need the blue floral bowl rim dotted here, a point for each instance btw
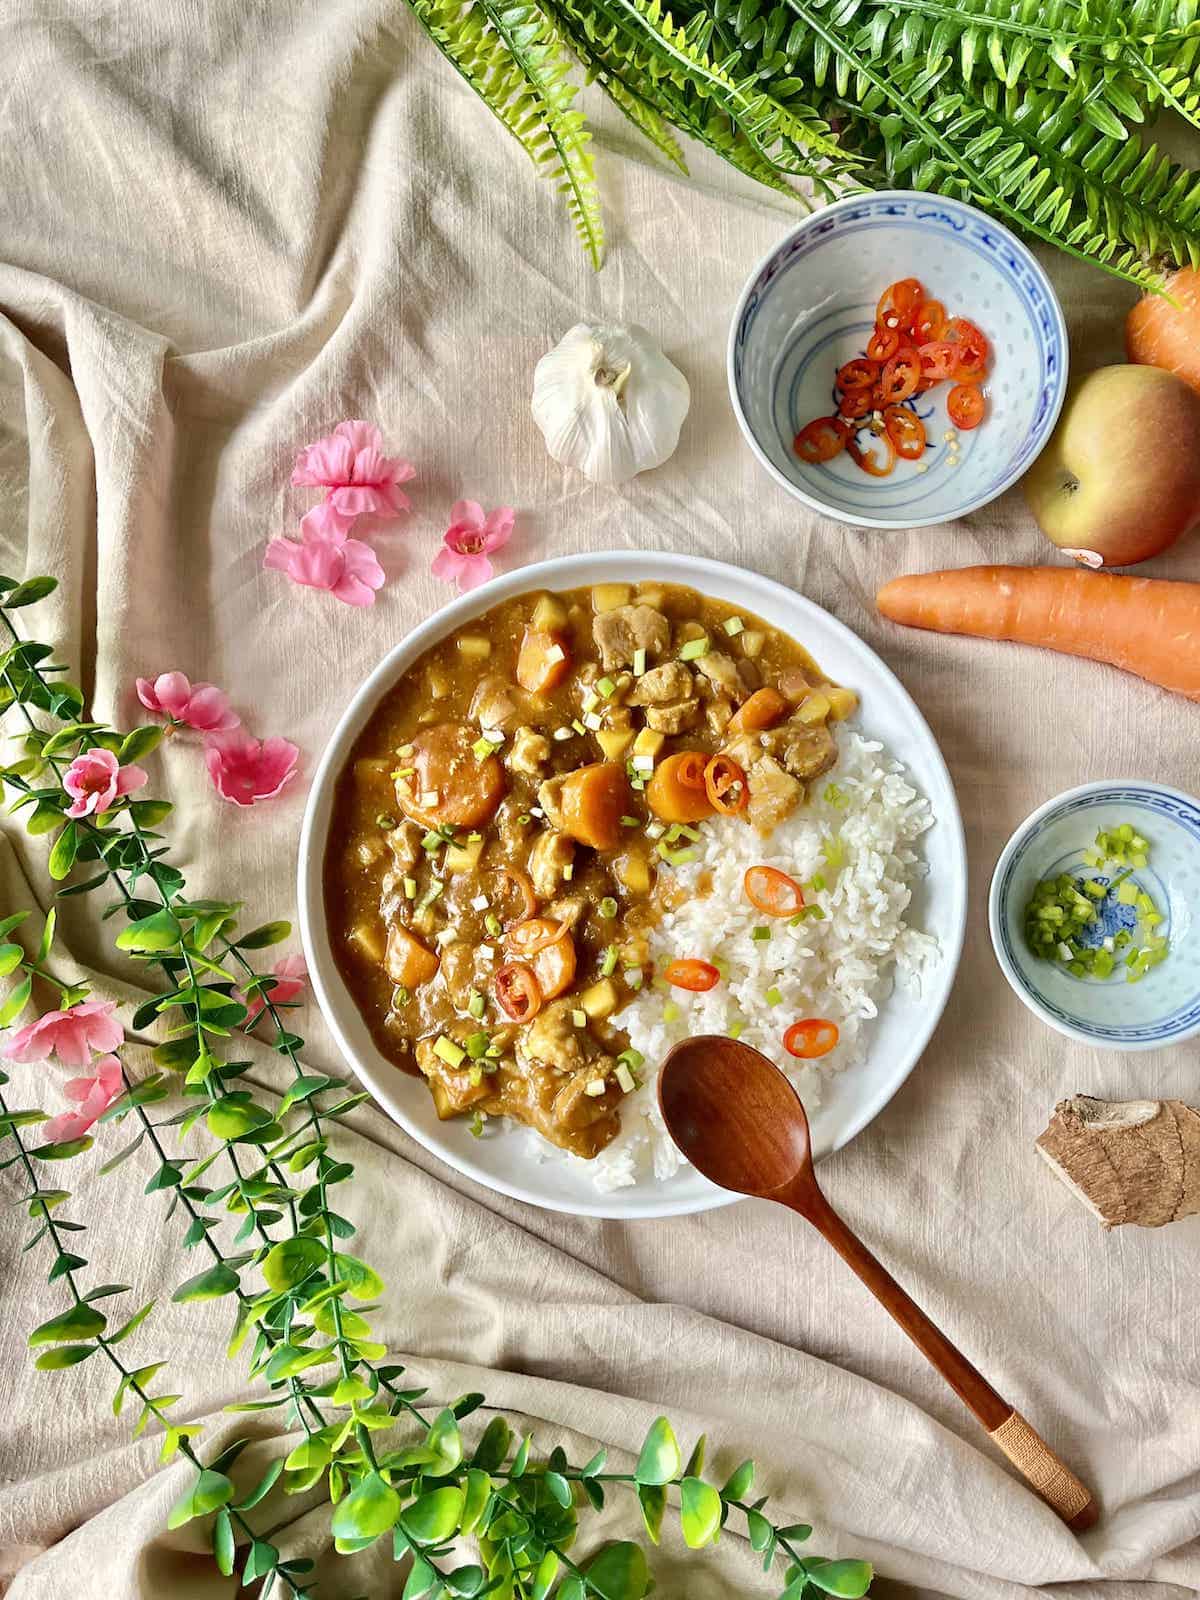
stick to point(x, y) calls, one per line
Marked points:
point(997, 902)
point(994, 490)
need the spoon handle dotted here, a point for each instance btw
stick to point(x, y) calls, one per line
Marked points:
point(1023, 1446)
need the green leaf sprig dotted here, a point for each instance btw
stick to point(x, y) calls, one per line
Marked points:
point(301, 1298)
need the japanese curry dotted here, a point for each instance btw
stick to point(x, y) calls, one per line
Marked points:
point(505, 832)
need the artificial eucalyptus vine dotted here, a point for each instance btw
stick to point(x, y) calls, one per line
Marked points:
point(301, 1300)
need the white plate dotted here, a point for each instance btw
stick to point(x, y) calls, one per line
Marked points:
point(898, 1037)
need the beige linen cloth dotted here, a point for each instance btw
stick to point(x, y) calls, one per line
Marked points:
point(223, 228)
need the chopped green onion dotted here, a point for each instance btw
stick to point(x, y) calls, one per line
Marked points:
point(625, 1078)
point(431, 894)
point(452, 1054)
point(579, 1018)
point(736, 1029)
point(631, 822)
point(834, 850)
point(639, 663)
point(818, 882)
point(404, 750)
point(772, 997)
point(475, 1005)
point(410, 888)
point(734, 626)
point(631, 1058)
point(761, 933)
point(385, 820)
point(694, 649)
point(577, 725)
point(606, 687)
point(607, 907)
point(477, 1044)
point(402, 772)
point(609, 964)
point(670, 1012)
point(400, 997)
point(834, 796)
point(484, 748)
point(492, 923)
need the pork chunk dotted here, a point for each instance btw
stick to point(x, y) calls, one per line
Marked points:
point(774, 794)
point(662, 685)
point(549, 859)
point(722, 672)
point(808, 750)
point(620, 633)
point(677, 718)
point(530, 750)
point(495, 703)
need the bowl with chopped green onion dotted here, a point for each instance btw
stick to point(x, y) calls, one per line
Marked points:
point(1091, 914)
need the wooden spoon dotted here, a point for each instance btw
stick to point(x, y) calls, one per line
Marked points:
point(738, 1120)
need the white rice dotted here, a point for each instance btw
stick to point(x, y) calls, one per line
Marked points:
point(839, 967)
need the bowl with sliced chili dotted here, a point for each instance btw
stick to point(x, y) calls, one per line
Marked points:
point(897, 361)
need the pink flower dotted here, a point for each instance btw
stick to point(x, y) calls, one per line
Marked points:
point(71, 1035)
point(95, 779)
point(246, 770)
point(469, 540)
point(196, 705)
point(327, 559)
point(289, 982)
point(350, 463)
point(93, 1096)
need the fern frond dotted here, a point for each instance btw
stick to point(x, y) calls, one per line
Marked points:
point(512, 58)
point(645, 118)
point(565, 146)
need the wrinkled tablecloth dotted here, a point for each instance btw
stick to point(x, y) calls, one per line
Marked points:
point(223, 228)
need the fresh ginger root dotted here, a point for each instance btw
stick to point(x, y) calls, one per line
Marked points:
point(1132, 1161)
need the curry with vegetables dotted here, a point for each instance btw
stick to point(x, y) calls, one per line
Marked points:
point(505, 832)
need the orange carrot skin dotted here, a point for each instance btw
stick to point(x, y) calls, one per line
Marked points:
point(1147, 626)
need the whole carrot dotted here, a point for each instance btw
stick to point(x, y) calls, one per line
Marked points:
point(1147, 626)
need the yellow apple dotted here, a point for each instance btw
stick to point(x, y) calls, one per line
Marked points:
point(1119, 479)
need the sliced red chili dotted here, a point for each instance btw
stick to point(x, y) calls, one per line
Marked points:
point(523, 884)
point(965, 405)
point(855, 403)
point(898, 302)
point(517, 991)
point(869, 462)
point(972, 344)
point(698, 976)
point(883, 343)
point(821, 439)
point(857, 374)
point(772, 892)
point(901, 376)
point(906, 431)
point(810, 1038)
point(725, 784)
point(928, 321)
point(939, 361)
point(526, 939)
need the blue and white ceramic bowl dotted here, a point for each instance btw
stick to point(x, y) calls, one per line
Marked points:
point(1164, 1007)
point(810, 306)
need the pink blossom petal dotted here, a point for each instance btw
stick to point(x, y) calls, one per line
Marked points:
point(209, 711)
point(245, 770)
point(447, 564)
point(327, 462)
point(474, 571)
point(498, 527)
point(360, 435)
point(130, 778)
point(66, 1126)
point(70, 1035)
point(361, 574)
point(467, 514)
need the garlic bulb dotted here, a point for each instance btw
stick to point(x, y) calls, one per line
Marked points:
point(609, 402)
